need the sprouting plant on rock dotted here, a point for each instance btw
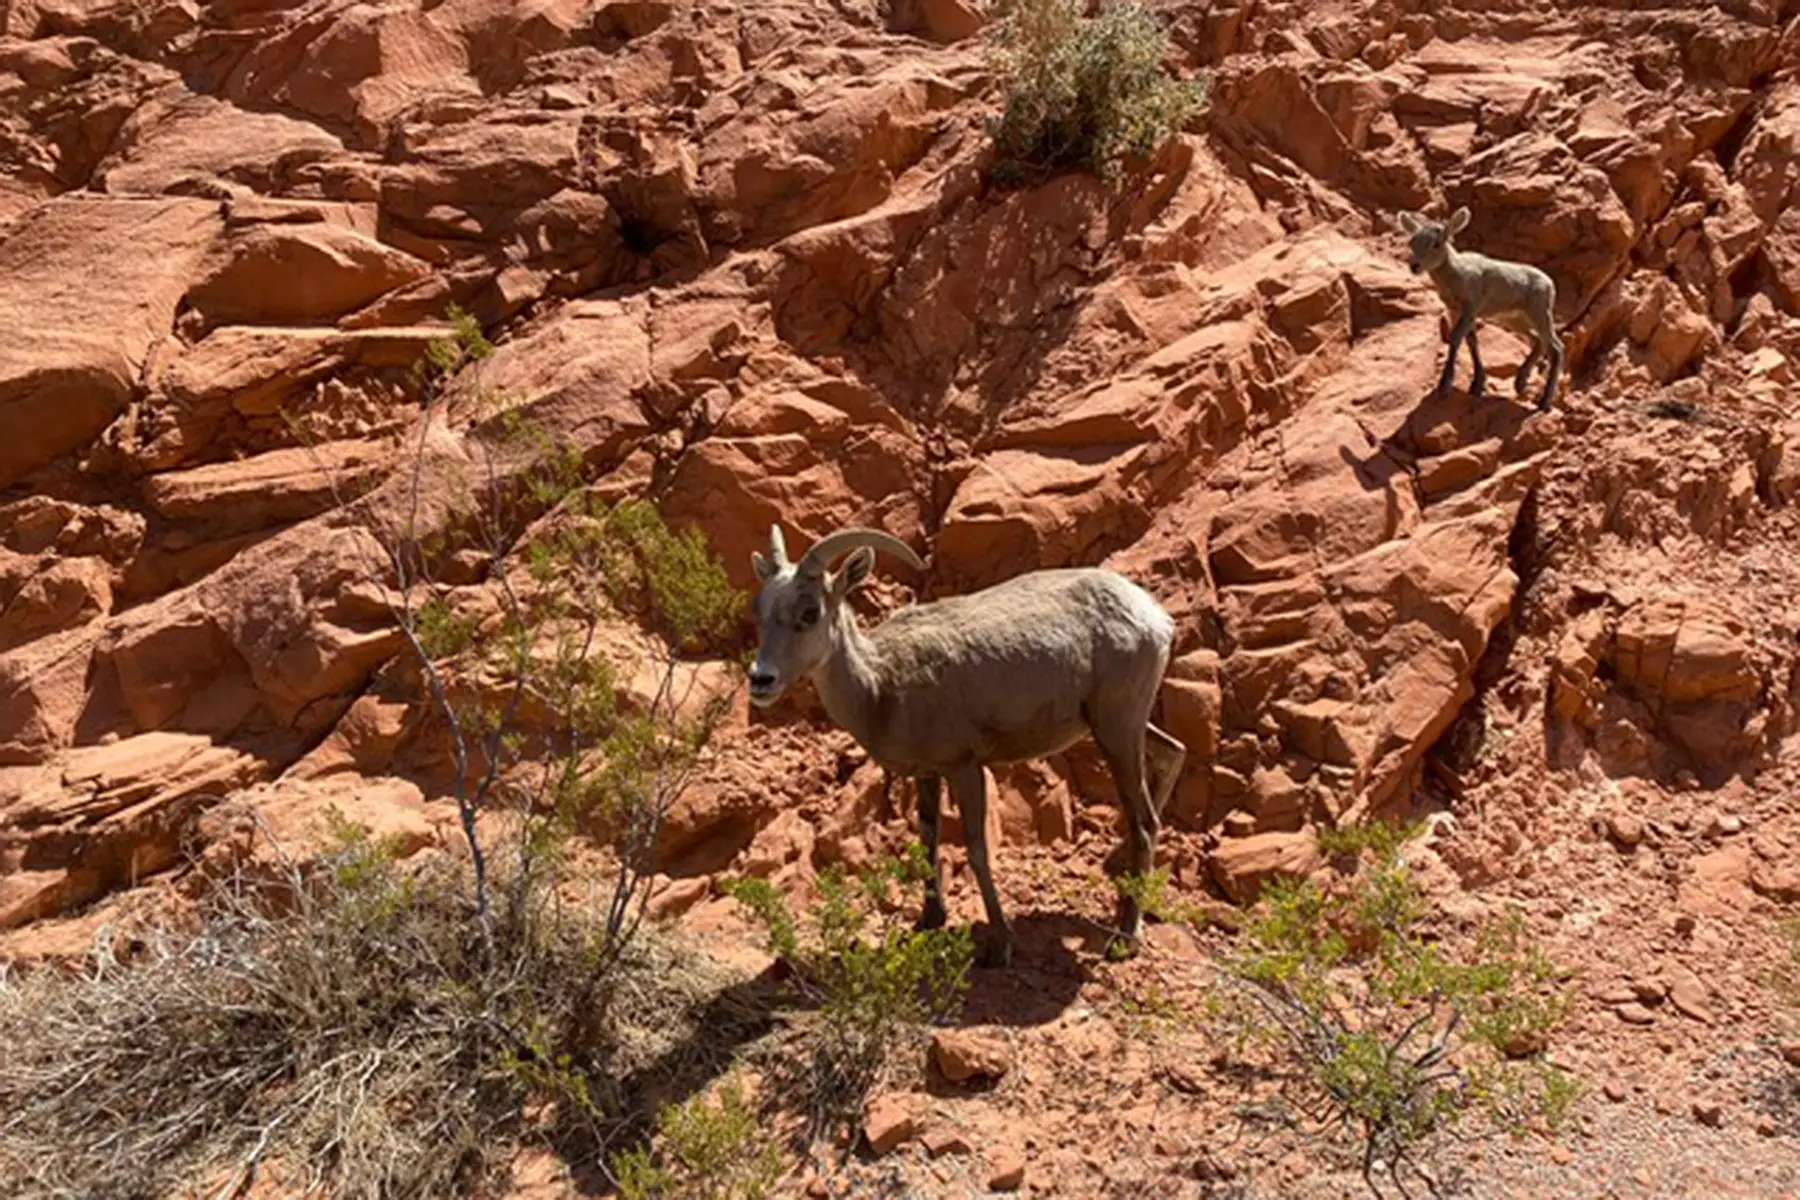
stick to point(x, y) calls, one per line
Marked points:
point(1384, 1034)
point(1084, 91)
point(870, 978)
point(708, 1151)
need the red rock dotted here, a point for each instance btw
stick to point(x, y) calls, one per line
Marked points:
point(1688, 995)
point(1008, 1174)
point(1635, 1014)
point(962, 1055)
point(76, 352)
point(1243, 865)
point(939, 1142)
point(890, 1121)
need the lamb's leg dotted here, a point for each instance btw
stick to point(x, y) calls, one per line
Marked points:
point(1163, 758)
point(930, 793)
point(1556, 363)
point(969, 789)
point(1122, 744)
point(1458, 332)
point(1477, 384)
point(1522, 380)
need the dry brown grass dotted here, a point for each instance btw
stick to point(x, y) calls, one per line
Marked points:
point(363, 1037)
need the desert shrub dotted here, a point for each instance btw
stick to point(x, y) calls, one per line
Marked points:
point(1084, 91)
point(524, 679)
point(385, 1034)
point(870, 979)
point(1385, 1035)
point(708, 1152)
point(364, 1038)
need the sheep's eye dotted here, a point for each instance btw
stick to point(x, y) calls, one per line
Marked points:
point(809, 617)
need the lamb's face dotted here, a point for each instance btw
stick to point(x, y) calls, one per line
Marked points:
point(794, 615)
point(1429, 243)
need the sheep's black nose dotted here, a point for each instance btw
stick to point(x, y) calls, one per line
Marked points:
point(762, 681)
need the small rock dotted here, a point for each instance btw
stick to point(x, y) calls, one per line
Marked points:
point(1008, 1174)
point(962, 1055)
point(888, 1122)
point(1790, 1052)
point(1617, 994)
point(1709, 1112)
point(1635, 1014)
point(940, 1142)
point(1688, 995)
point(1615, 1091)
point(1766, 1127)
point(1730, 824)
point(1647, 991)
point(1624, 829)
point(1561, 1156)
point(1184, 1077)
point(1684, 924)
point(1777, 881)
point(1524, 1043)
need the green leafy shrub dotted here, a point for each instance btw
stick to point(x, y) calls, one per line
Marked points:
point(1387, 1036)
point(521, 679)
point(871, 979)
point(708, 1152)
point(1084, 92)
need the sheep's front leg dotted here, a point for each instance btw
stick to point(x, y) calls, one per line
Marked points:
point(969, 789)
point(1458, 332)
point(1477, 385)
point(930, 791)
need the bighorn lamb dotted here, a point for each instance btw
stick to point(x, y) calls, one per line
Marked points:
point(1513, 295)
point(1019, 670)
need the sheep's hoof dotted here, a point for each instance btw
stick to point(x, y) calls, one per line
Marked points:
point(996, 951)
point(933, 917)
point(1543, 404)
point(1478, 387)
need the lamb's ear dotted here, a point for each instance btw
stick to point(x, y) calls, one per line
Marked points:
point(765, 568)
point(1459, 221)
point(855, 570)
point(1409, 220)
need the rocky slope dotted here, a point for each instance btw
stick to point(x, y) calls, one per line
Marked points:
point(747, 260)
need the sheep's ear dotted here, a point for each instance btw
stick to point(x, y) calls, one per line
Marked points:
point(1409, 220)
point(1459, 221)
point(856, 569)
point(765, 568)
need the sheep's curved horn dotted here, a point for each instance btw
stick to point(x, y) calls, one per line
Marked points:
point(834, 546)
point(777, 546)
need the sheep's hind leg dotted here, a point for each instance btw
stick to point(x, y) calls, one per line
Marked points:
point(1556, 365)
point(969, 789)
point(1522, 380)
point(930, 792)
point(1122, 744)
point(1164, 757)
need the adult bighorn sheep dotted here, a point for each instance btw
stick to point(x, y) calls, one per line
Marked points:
point(1513, 295)
point(1015, 671)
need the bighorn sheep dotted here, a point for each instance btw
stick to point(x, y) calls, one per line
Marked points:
point(1513, 295)
point(1016, 671)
